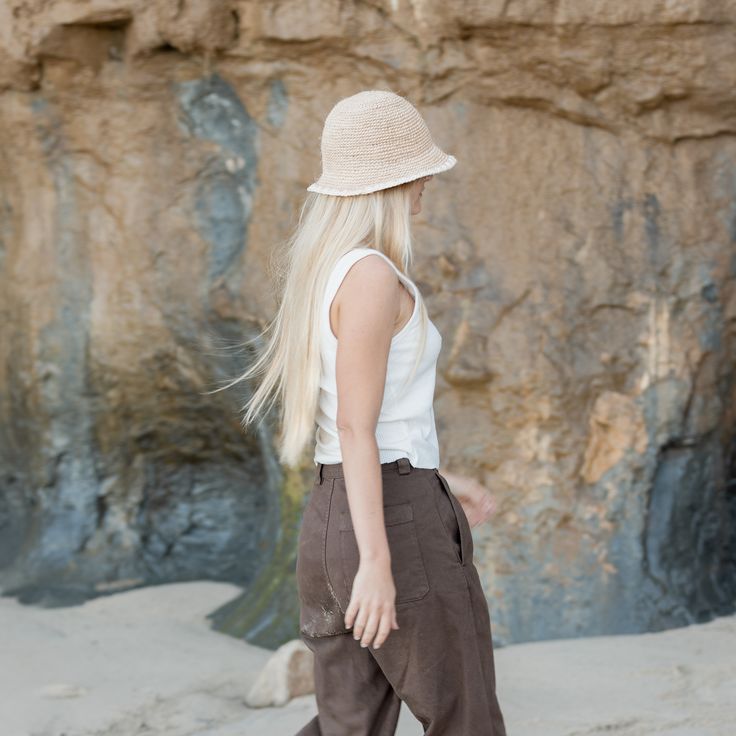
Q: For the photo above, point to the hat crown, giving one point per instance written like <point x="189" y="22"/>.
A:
<point x="375" y="139"/>
<point x="371" y="127"/>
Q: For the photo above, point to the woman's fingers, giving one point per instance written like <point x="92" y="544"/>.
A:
<point x="371" y="625"/>
<point x="359" y="624"/>
<point x="350" y="613"/>
<point x="479" y="510"/>
<point x="384" y="628"/>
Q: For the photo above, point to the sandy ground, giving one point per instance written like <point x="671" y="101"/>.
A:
<point x="146" y="662"/>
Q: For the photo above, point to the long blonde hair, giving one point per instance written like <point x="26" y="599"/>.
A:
<point x="289" y="357"/>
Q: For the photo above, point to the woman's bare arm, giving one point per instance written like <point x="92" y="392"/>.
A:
<point x="367" y="306"/>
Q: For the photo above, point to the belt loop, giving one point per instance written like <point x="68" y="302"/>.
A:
<point x="319" y="472"/>
<point x="404" y="465"/>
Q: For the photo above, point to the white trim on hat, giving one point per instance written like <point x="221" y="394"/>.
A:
<point x="321" y="189"/>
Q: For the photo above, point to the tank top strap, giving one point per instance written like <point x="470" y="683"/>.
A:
<point x="345" y="262"/>
<point x="402" y="276"/>
<point x="339" y="271"/>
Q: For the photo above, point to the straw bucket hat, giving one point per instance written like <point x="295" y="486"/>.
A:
<point x="373" y="140"/>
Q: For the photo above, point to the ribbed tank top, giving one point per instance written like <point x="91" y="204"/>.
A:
<point x="406" y="424"/>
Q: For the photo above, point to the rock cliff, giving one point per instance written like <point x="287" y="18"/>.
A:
<point x="580" y="261"/>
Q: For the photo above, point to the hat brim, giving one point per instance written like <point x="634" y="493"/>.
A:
<point x="322" y="188"/>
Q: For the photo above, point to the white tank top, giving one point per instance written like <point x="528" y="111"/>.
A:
<point x="406" y="426"/>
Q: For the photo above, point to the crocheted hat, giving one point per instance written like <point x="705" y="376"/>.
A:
<point x="373" y="140"/>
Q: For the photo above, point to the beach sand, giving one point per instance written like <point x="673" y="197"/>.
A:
<point x="147" y="662"/>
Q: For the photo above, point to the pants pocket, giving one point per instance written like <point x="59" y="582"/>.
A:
<point x="446" y="512"/>
<point x="455" y="521"/>
<point x="407" y="565"/>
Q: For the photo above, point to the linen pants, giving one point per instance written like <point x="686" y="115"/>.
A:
<point x="440" y="660"/>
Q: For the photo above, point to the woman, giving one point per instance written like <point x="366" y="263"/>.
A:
<point x="391" y="603"/>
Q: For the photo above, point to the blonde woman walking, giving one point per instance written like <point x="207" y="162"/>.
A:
<point x="391" y="603"/>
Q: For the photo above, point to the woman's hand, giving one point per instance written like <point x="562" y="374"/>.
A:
<point x="477" y="502"/>
<point x="371" y="611"/>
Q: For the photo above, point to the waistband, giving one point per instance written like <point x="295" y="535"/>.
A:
<point x="402" y="466"/>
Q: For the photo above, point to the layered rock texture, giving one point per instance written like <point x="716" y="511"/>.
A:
<point x="579" y="260"/>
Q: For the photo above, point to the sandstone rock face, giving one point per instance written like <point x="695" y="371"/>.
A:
<point x="580" y="261"/>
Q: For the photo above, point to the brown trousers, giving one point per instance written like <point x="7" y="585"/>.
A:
<point x="440" y="660"/>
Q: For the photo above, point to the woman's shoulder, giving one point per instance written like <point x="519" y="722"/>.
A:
<point x="369" y="266"/>
<point x="358" y="254"/>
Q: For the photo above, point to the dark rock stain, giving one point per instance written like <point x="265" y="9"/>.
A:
<point x="211" y="110"/>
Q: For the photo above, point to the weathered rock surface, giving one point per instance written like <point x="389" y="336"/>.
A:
<point x="580" y="261"/>
<point x="287" y="674"/>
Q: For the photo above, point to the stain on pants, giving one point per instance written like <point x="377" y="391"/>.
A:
<point x="440" y="660"/>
